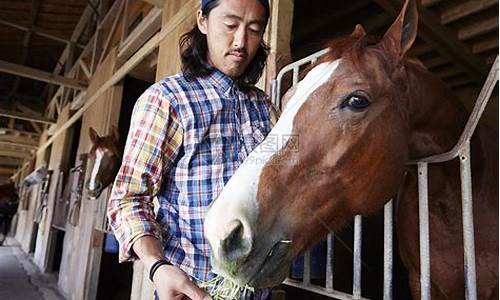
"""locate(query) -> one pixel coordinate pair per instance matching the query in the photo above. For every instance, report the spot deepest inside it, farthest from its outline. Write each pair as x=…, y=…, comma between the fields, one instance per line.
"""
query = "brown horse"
x=348, y=131
x=105, y=157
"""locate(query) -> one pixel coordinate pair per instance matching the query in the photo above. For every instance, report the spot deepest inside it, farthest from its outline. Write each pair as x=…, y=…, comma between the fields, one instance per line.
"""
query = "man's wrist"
x=155, y=266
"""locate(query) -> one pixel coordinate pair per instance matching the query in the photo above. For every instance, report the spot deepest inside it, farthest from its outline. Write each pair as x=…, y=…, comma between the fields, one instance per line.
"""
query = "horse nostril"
x=235, y=245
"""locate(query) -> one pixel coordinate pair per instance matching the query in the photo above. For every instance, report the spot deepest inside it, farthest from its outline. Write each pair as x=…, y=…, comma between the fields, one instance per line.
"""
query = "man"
x=189, y=133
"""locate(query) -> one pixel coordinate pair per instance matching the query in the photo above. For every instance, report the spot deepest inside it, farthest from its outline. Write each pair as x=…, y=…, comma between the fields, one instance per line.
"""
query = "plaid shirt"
x=186, y=139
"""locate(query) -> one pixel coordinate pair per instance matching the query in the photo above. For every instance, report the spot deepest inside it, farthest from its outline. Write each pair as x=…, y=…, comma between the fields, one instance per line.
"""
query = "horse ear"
x=403, y=32
x=359, y=31
x=94, y=137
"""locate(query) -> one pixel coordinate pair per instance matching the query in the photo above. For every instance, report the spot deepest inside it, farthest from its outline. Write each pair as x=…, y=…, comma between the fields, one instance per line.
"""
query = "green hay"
x=221, y=288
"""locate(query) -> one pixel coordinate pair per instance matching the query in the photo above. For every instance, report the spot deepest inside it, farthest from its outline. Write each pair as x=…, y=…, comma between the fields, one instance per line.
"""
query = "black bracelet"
x=155, y=267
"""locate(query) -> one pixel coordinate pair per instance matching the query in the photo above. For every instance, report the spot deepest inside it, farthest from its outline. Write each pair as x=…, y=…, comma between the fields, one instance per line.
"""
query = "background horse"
x=348, y=131
x=35, y=177
x=8, y=208
x=105, y=155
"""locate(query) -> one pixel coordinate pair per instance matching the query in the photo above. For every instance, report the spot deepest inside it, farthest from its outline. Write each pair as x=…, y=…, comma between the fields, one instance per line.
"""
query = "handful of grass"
x=221, y=288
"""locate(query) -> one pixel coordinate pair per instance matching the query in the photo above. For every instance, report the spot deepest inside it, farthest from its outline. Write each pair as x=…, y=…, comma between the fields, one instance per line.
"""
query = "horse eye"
x=356, y=102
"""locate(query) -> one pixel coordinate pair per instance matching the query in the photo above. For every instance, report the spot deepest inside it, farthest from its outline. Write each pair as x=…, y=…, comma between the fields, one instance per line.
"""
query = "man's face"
x=234, y=32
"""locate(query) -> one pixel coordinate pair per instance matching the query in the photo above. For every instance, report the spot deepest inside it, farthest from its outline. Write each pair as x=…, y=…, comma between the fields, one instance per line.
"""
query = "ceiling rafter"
x=442, y=40
x=35, y=8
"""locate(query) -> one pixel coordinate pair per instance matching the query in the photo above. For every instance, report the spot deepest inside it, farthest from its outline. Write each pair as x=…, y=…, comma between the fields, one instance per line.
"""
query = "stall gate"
x=461, y=150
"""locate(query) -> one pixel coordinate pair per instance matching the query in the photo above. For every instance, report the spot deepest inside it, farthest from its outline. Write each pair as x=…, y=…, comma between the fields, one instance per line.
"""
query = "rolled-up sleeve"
x=153, y=142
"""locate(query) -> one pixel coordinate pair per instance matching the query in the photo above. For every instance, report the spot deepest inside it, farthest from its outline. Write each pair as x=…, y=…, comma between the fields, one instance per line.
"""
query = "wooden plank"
x=448, y=72
x=280, y=35
x=19, y=133
x=464, y=9
x=11, y=162
x=15, y=154
x=24, y=116
x=187, y=11
x=4, y=171
x=148, y=26
x=478, y=28
x=158, y=3
x=117, y=16
x=37, y=31
x=486, y=45
x=35, y=7
x=33, y=143
x=18, y=145
x=40, y=75
x=428, y=3
x=442, y=40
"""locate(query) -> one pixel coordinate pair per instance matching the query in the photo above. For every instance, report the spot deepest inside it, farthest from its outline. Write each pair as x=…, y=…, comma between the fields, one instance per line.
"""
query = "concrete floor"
x=20, y=279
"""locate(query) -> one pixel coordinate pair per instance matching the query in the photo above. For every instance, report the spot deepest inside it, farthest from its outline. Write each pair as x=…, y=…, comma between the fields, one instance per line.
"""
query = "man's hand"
x=172, y=283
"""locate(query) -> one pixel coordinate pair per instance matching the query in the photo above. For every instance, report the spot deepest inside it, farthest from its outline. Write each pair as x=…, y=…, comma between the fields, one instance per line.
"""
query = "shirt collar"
x=221, y=81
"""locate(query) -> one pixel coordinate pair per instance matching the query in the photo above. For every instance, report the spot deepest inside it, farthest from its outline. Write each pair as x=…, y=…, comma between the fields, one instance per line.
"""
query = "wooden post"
x=278, y=37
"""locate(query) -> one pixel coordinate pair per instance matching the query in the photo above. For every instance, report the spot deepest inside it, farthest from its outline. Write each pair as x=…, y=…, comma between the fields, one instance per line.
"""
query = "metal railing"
x=462, y=149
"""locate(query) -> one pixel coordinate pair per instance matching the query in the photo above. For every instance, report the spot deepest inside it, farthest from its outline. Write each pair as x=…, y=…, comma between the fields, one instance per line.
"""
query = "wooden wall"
x=58, y=161
x=82, y=244
x=25, y=223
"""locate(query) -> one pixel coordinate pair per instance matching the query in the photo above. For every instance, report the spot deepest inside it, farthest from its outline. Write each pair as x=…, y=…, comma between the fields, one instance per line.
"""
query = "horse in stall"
x=105, y=154
x=35, y=177
x=8, y=207
x=360, y=114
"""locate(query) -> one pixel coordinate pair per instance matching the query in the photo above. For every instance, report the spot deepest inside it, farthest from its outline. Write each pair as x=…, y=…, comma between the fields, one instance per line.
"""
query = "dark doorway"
x=115, y=280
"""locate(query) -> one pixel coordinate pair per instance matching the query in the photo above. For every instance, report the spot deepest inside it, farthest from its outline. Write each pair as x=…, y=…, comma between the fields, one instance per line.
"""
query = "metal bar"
x=295, y=75
x=321, y=290
x=468, y=224
x=356, y=280
x=423, y=213
x=307, y=268
x=477, y=112
x=330, y=240
x=388, y=250
x=290, y=67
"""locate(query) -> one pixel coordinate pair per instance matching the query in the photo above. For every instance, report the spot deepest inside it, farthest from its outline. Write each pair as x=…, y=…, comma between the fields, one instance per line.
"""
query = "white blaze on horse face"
x=237, y=200
x=99, y=154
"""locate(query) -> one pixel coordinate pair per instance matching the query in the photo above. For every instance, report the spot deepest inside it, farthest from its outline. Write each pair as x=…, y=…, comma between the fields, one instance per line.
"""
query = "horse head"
x=345, y=141
x=36, y=177
x=105, y=157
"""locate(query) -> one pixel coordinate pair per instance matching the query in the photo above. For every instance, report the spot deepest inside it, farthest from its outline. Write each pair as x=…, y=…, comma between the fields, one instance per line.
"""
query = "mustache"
x=241, y=51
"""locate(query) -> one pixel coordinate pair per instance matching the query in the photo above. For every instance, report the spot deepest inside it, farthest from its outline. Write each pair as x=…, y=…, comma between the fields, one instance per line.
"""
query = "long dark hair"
x=193, y=48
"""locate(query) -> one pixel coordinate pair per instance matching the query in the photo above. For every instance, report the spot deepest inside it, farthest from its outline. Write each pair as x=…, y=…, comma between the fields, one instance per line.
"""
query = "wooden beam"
x=29, y=142
x=40, y=75
x=435, y=61
x=185, y=12
x=442, y=40
x=428, y=3
x=15, y=154
x=478, y=28
x=158, y=3
x=23, y=116
x=148, y=26
x=5, y=171
x=117, y=16
x=18, y=145
x=19, y=133
x=75, y=36
x=37, y=31
x=464, y=9
x=486, y=45
x=11, y=162
x=35, y=7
